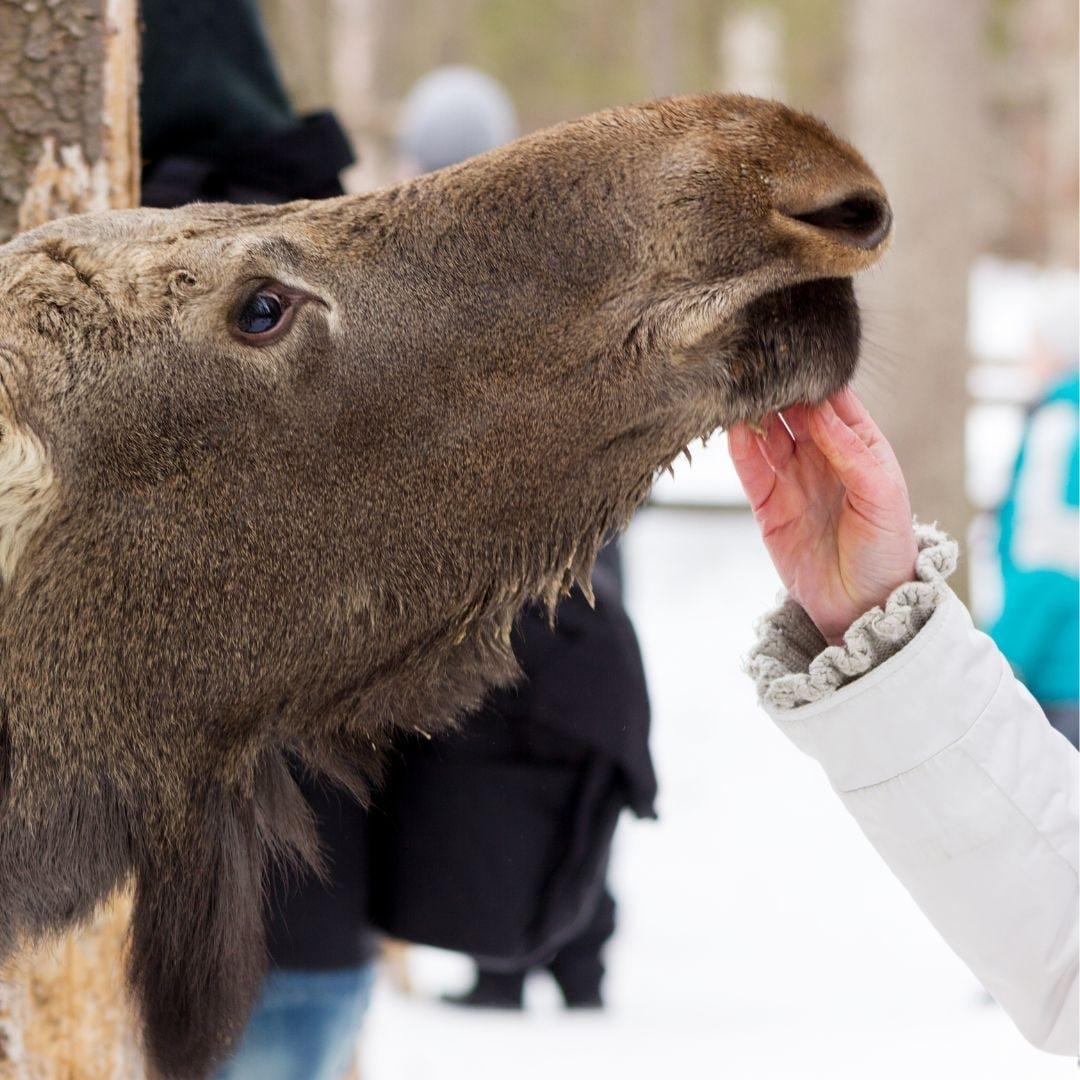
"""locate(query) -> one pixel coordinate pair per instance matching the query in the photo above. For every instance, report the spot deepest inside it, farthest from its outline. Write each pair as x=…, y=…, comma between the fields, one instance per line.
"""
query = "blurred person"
x=1039, y=543
x=451, y=114
x=872, y=666
x=495, y=842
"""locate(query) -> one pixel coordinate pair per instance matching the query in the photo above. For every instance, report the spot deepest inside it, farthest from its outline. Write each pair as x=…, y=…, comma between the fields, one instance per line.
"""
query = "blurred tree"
x=751, y=43
x=815, y=56
x=1060, y=29
x=301, y=39
x=1036, y=103
x=68, y=144
x=917, y=108
x=661, y=31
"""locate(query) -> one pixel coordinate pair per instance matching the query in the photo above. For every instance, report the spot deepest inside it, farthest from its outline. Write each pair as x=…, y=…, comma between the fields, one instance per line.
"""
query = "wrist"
x=867, y=587
x=788, y=677
x=834, y=629
x=834, y=621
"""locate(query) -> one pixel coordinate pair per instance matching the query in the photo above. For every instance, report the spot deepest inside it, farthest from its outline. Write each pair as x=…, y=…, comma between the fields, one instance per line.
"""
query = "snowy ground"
x=761, y=938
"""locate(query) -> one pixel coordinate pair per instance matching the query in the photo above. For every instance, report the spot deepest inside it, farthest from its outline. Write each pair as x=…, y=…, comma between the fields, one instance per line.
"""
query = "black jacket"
x=216, y=124
x=493, y=840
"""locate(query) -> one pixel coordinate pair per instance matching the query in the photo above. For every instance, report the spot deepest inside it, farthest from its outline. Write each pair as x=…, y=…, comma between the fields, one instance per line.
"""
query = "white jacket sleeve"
x=953, y=773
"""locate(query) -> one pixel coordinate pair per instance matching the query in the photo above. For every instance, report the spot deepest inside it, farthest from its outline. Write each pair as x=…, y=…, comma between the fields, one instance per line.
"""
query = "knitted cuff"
x=792, y=665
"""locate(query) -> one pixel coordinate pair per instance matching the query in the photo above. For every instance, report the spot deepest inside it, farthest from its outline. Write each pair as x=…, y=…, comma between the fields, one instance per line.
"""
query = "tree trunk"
x=917, y=115
x=356, y=26
x=751, y=52
x=1059, y=23
x=300, y=38
x=68, y=144
x=660, y=31
x=69, y=111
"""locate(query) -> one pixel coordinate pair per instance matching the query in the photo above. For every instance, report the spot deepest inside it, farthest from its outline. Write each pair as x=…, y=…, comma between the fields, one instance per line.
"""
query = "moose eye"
x=261, y=313
x=265, y=315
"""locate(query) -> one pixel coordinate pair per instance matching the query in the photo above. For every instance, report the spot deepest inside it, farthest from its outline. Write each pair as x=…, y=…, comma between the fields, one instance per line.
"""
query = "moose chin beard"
x=796, y=346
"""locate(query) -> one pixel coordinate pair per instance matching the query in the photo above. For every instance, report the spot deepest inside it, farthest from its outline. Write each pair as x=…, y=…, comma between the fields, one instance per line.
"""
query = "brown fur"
x=232, y=554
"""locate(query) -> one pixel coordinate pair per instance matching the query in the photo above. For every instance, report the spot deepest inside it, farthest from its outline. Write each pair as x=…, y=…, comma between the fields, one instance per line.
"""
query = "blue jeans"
x=304, y=1026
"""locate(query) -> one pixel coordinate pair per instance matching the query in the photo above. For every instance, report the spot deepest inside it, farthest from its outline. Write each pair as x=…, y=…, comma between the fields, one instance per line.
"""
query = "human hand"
x=832, y=505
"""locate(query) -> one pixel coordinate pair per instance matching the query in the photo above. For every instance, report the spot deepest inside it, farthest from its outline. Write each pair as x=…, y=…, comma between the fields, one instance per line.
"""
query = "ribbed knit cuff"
x=792, y=664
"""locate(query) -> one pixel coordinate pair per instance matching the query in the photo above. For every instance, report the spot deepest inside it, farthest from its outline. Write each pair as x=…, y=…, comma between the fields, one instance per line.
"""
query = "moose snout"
x=839, y=231
x=861, y=219
x=826, y=202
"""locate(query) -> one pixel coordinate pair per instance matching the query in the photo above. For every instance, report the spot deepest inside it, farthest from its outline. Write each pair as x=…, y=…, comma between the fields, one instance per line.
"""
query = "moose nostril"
x=862, y=220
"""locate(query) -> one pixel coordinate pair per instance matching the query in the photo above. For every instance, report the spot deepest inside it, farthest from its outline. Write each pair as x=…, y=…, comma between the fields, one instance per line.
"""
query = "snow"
x=711, y=482
x=760, y=937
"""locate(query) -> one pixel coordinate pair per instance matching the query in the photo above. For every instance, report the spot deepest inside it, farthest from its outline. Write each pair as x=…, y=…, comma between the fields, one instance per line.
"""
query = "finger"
x=850, y=408
x=776, y=442
x=754, y=472
x=850, y=458
x=855, y=414
x=797, y=419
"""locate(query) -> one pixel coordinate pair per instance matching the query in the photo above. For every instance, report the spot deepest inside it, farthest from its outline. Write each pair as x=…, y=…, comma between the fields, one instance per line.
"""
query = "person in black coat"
x=586, y=703
x=495, y=842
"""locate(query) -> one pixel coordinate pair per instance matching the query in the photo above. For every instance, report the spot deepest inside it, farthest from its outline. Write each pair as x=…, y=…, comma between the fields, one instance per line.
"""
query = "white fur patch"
x=27, y=493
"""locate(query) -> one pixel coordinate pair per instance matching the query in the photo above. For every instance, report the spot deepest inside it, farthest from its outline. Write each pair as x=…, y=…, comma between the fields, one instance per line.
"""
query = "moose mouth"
x=798, y=345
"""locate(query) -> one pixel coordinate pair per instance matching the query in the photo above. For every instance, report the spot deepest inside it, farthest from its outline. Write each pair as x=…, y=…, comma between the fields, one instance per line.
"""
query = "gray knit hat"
x=454, y=113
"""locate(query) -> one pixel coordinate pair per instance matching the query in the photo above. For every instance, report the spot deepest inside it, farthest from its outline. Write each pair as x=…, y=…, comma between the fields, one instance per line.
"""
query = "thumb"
x=755, y=473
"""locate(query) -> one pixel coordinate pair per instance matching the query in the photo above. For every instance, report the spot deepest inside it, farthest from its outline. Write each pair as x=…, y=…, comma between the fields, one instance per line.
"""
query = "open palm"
x=833, y=508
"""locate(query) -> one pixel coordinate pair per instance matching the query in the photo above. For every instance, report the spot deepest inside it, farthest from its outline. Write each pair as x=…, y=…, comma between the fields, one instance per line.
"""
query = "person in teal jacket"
x=1039, y=546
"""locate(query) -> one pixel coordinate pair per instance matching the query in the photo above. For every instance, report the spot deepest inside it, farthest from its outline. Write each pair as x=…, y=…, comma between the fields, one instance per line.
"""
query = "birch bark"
x=68, y=144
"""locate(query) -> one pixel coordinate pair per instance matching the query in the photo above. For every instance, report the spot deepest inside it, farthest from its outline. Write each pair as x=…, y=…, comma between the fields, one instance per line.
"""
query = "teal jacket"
x=1039, y=546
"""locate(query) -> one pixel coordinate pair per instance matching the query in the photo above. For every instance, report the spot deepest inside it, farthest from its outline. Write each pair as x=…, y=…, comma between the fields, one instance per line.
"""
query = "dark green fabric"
x=208, y=77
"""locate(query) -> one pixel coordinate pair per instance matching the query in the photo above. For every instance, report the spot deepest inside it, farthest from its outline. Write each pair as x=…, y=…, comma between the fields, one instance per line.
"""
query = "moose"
x=275, y=481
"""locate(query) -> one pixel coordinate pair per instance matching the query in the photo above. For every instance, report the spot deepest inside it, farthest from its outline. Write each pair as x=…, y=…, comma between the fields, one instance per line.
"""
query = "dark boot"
x=578, y=967
x=492, y=991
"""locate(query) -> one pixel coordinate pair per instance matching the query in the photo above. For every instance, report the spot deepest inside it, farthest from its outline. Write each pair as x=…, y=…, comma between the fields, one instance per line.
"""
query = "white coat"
x=953, y=773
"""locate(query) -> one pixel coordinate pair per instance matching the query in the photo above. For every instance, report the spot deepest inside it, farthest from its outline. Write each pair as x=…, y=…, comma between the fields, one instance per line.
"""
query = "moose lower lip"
x=802, y=341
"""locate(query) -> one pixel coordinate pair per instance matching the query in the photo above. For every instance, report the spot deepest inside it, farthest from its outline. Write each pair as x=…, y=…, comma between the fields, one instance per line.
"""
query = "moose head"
x=274, y=482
